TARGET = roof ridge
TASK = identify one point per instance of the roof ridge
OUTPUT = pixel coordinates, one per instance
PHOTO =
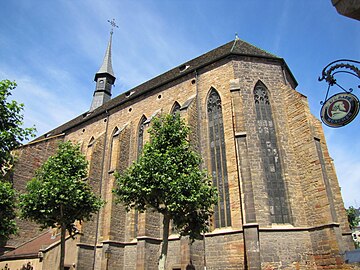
(235, 47)
(265, 51)
(257, 50)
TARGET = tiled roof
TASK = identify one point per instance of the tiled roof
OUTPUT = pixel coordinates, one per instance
(32, 247)
(235, 47)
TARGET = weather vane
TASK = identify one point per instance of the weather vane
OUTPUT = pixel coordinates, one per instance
(113, 24)
(235, 41)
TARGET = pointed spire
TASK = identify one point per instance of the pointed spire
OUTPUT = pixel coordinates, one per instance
(106, 66)
(105, 77)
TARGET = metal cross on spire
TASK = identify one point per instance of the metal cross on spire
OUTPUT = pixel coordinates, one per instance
(235, 40)
(113, 24)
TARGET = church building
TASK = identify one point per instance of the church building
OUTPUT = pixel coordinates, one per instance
(279, 203)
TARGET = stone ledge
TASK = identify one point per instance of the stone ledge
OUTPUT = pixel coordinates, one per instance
(223, 232)
(88, 246)
(118, 243)
(240, 134)
(122, 244)
(312, 228)
(250, 225)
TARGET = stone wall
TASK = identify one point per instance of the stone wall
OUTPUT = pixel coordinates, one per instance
(224, 251)
(313, 237)
(30, 158)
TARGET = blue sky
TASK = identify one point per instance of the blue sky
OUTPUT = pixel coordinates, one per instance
(52, 49)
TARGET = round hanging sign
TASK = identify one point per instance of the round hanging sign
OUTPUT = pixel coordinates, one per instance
(339, 110)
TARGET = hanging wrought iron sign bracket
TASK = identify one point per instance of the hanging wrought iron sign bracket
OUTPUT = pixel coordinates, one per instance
(341, 108)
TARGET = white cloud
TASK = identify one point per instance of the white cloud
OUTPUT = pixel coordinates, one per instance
(46, 106)
(281, 27)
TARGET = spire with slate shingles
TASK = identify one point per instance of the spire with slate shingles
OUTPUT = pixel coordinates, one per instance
(106, 66)
(105, 77)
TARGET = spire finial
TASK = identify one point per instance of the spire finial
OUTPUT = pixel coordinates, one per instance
(235, 41)
(113, 24)
(106, 66)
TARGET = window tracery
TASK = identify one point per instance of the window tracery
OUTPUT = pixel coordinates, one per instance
(275, 184)
(222, 215)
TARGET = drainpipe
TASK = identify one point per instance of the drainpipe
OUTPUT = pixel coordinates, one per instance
(101, 184)
(199, 142)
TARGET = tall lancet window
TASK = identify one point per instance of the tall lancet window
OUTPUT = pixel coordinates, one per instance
(140, 141)
(89, 152)
(270, 155)
(114, 149)
(175, 108)
(222, 215)
(141, 135)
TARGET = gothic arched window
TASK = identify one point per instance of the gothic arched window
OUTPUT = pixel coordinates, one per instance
(89, 152)
(141, 135)
(140, 145)
(222, 215)
(91, 141)
(270, 156)
(175, 108)
(114, 149)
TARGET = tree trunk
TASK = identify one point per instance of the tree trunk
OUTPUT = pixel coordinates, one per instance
(62, 246)
(164, 245)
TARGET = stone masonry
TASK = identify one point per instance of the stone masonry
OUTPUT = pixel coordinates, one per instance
(317, 234)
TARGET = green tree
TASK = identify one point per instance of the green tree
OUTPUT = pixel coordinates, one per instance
(58, 195)
(353, 217)
(11, 131)
(7, 212)
(11, 135)
(167, 177)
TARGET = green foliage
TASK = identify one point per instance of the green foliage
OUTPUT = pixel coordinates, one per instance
(57, 194)
(353, 217)
(7, 213)
(168, 178)
(11, 135)
(11, 120)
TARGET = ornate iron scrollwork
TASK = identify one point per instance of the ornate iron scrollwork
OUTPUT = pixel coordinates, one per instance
(329, 72)
(341, 108)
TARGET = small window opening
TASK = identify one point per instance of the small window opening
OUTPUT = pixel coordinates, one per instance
(182, 68)
(128, 94)
(91, 142)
